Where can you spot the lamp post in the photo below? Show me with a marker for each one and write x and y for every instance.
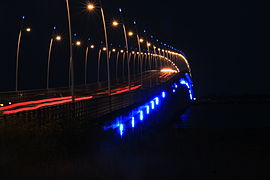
(85, 65)
(139, 41)
(123, 64)
(117, 60)
(148, 44)
(57, 38)
(91, 7)
(86, 62)
(22, 29)
(99, 56)
(115, 23)
(71, 64)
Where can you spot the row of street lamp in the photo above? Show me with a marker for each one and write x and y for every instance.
(92, 7)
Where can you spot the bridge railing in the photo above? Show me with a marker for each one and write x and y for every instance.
(79, 115)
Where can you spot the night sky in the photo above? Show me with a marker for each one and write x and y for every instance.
(225, 42)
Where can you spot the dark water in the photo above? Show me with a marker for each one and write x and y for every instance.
(209, 141)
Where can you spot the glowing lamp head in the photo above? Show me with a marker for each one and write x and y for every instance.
(113, 50)
(92, 46)
(104, 49)
(58, 38)
(141, 40)
(78, 43)
(115, 23)
(133, 52)
(122, 51)
(148, 44)
(28, 29)
(130, 33)
(90, 6)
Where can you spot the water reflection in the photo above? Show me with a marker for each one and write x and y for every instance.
(185, 119)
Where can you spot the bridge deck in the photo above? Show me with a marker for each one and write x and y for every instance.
(14, 102)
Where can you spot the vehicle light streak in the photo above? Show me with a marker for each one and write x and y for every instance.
(46, 104)
(33, 102)
(126, 90)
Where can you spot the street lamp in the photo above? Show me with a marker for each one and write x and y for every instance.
(115, 24)
(28, 29)
(117, 60)
(148, 44)
(91, 7)
(130, 33)
(78, 43)
(86, 62)
(71, 64)
(99, 57)
(22, 29)
(57, 38)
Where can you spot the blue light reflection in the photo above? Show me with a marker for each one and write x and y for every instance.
(141, 115)
(163, 94)
(147, 109)
(121, 129)
(133, 122)
(152, 104)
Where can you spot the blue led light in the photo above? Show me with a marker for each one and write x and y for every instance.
(147, 109)
(133, 122)
(75, 34)
(144, 31)
(141, 115)
(120, 10)
(23, 17)
(157, 100)
(121, 129)
(134, 22)
(163, 94)
(152, 104)
(188, 84)
(123, 122)
(54, 28)
(182, 81)
(191, 96)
